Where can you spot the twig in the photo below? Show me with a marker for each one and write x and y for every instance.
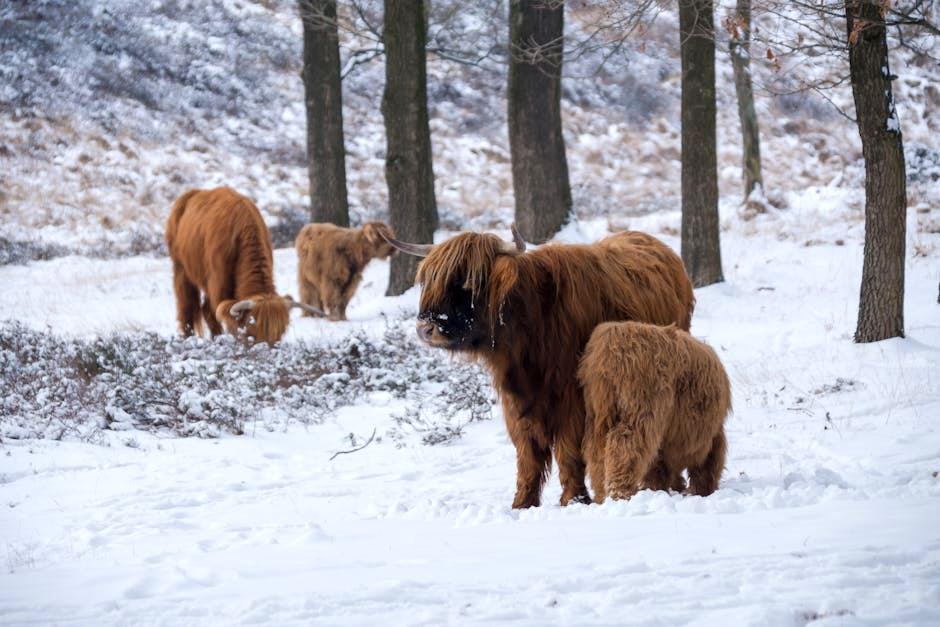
(358, 448)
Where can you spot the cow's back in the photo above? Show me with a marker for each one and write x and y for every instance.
(319, 246)
(649, 281)
(207, 228)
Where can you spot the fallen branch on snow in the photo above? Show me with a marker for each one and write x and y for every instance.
(358, 448)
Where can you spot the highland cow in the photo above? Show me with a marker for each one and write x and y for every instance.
(330, 261)
(221, 247)
(527, 316)
(656, 401)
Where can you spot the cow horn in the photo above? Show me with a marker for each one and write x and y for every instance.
(517, 238)
(418, 250)
(304, 306)
(241, 306)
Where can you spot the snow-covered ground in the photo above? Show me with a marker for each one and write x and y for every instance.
(108, 110)
(827, 512)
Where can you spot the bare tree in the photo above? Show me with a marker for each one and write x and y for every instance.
(797, 30)
(461, 33)
(881, 304)
(408, 171)
(701, 250)
(860, 31)
(739, 29)
(539, 166)
(326, 154)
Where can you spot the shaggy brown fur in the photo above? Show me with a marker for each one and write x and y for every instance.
(220, 246)
(527, 316)
(656, 402)
(330, 261)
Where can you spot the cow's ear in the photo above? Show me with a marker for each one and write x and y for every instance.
(373, 233)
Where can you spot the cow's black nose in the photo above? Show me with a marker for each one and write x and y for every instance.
(425, 330)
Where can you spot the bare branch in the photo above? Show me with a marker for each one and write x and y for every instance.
(358, 448)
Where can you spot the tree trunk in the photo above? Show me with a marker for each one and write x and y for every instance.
(741, 62)
(701, 251)
(881, 303)
(408, 171)
(539, 168)
(326, 155)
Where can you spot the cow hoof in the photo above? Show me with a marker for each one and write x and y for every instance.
(584, 499)
(525, 502)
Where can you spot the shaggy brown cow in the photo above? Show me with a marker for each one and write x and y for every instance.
(220, 245)
(656, 402)
(527, 316)
(330, 261)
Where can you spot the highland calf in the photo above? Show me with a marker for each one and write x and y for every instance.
(330, 261)
(656, 402)
(221, 247)
(528, 315)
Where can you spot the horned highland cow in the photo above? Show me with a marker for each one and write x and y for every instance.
(527, 317)
(656, 401)
(223, 268)
(330, 261)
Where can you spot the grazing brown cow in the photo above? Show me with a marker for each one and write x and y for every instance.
(656, 402)
(527, 316)
(220, 246)
(330, 261)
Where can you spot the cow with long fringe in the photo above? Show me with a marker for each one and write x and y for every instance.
(527, 317)
(223, 267)
(656, 401)
(330, 261)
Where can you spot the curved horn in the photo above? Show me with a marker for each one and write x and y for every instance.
(516, 246)
(418, 250)
(517, 238)
(241, 306)
(303, 306)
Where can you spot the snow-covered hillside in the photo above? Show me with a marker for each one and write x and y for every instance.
(111, 109)
(110, 513)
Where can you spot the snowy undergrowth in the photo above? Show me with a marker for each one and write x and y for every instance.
(75, 389)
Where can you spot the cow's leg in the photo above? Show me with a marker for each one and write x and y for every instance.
(187, 301)
(533, 463)
(309, 294)
(533, 460)
(632, 446)
(677, 483)
(219, 289)
(594, 451)
(340, 304)
(208, 315)
(334, 306)
(568, 453)
(347, 293)
(332, 298)
(658, 477)
(704, 478)
(664, 475)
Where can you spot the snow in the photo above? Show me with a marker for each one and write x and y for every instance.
(828, 506)
(827, 509)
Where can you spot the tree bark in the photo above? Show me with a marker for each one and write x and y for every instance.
(741, 62)
(408, 171)
(881, 302)
(539, 167)
(701, 250)
(326, 155)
